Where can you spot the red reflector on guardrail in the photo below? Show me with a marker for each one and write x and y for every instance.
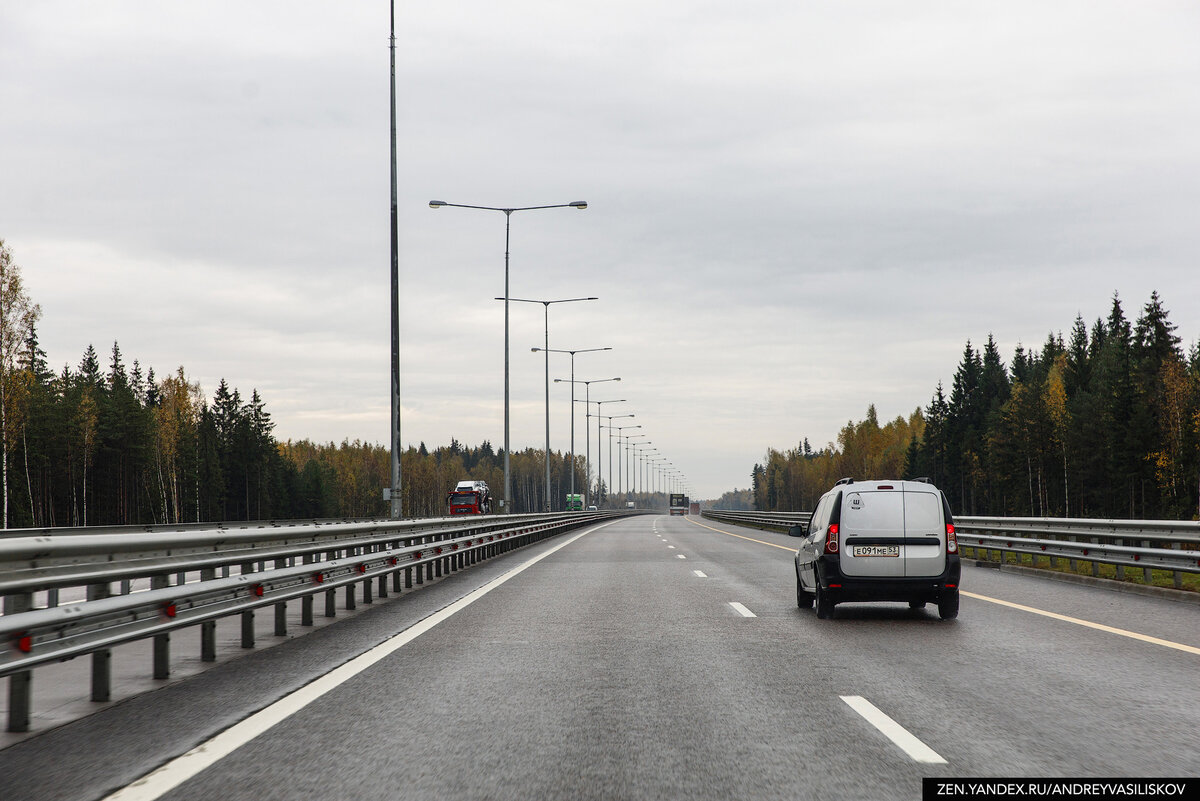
(361, 568)
(23, 642)
(437, 551)
(170, 609)
(318, 578)
(393, 561)
(257, 590)
(416, 555)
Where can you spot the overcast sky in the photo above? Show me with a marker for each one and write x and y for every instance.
(796, 209)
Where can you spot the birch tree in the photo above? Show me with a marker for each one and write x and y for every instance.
(17, 317)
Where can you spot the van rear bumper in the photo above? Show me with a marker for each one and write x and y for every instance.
(884, 588)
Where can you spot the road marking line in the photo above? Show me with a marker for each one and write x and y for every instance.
(672, 547)
(680, 556)
(177, 771)
(700, 574)
(741, 610)
(1190, 649)
(740, 537)
(893, 730)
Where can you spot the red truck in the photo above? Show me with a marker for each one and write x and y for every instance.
(470, 498)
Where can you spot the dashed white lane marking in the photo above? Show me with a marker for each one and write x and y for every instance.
(893, 731)
(672, 547)
(680, 556)
(161, 781)
(700, 574)
(741, 610)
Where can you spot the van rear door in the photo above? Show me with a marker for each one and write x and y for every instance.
(872, 532)
(924, 533)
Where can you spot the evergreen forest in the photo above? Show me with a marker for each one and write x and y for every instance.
(1104, 423)
(108, 443)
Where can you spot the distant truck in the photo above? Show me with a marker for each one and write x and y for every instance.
(694, 508)
(470, 498)
(574, 503)
(679, 504)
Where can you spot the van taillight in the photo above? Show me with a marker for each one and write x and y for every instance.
(831, 538)
(951, 539)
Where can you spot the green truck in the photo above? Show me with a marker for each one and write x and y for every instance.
(574, 503)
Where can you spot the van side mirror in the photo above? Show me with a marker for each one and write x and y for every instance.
(798, 530)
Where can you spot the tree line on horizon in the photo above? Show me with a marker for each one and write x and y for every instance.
(116, 445)
(1102, 424)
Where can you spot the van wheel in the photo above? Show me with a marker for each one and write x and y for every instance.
(804, 599)
(824, 604)
(948, 604)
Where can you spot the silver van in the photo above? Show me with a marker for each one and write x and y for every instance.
(879, 541)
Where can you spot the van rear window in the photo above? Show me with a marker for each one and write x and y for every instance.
(923, 514)
(877, 513)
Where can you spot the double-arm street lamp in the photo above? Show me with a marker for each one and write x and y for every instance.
(546, 305)
(599, 457)
(621, 458)
(611, 428)
(436, 204)
(573, 382)
(587, 389)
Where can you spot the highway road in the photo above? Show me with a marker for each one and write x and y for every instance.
(655, 658)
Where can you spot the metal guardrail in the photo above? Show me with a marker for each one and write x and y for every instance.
(771, 521)
(1172, 545)
(277, 563)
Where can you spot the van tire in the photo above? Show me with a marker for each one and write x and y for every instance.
(804, 599)
(948, 605)
(824, 604)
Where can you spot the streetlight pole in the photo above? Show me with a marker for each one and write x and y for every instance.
(599, 462)
(394, 495)
(573, 382)
(577, 204)
(546, 307)
(621, 459)
(610, 427)
(587, 388)
(635, 464)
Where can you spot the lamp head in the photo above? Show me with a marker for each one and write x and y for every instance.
(433, 204)
(579, 204)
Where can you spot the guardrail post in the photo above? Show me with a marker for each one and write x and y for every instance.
(1178, 574)
(382, 590)
(1146, 570)
(248, 615)
(367, 597)
(20, 685)
(350, 604)
(102, 659)
(281, 607)
(208, 629)
(331, 603)
(306, 603)
(162, 642)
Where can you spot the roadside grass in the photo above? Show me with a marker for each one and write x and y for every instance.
(1083, 567)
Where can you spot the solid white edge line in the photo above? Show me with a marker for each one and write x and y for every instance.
(893, 730)
(178, 770)
(742, 610)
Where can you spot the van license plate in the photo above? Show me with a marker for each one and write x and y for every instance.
(875, 550)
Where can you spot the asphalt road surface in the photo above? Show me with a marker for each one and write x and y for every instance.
(655, 658)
